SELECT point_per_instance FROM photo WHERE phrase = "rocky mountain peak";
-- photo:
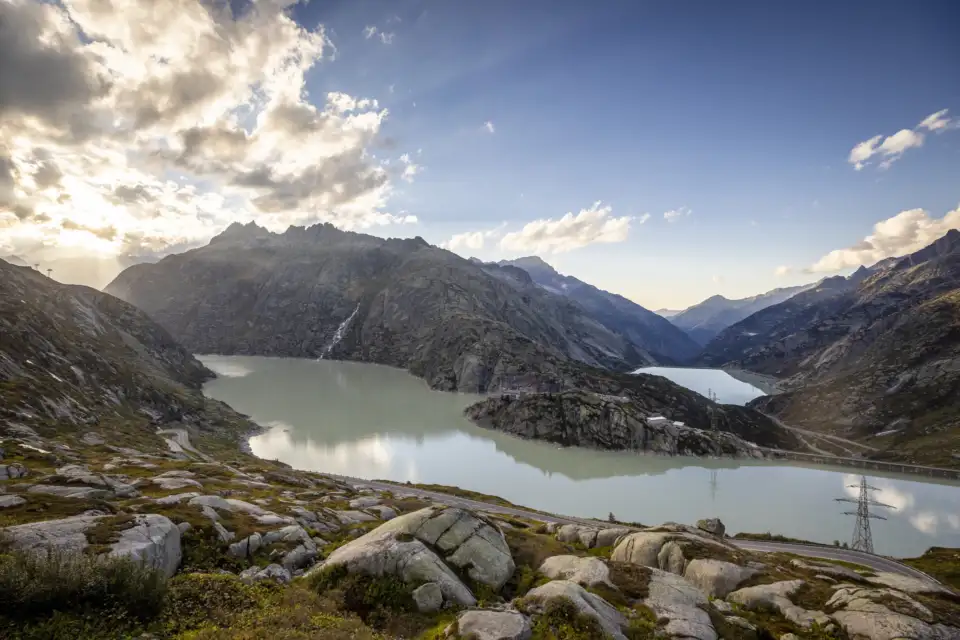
(530, 263)
(240, 232)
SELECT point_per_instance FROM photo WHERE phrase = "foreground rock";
(885, 614)
(716, 578)
(589, 604)
(492, 625)
(584, 571)
(149, 539)
(776, 596)
(418, 546)
(666, 548)
(682, 604)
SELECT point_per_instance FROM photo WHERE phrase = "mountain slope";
(649, 331)
(319, 292)
(881, 356)
(705, 320)
(71, 356)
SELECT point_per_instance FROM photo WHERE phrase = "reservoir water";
(371, 421)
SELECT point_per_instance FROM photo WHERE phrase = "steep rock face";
(703, 321)
(580, 418)
(72, 356)
(648, 330)
(881, 357)
(321, 292)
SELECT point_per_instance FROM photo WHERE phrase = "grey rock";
(428, 597)
(712, 526)
(176, 498)
(611, 620)
(184, 527)
(671, 558)
(831, 570)
(222, 533)
(664, 549)
(176, 483)
(13, 471)
(385, 512)
(7, 501)
(610, 537)
(494, 625)
(586, 571)
(75, 491)
(353, 517)
(176, 473)
(777, 596)
(246, 547)
(364, 502)
(906, 583)
(684, 606)
(66, 534)
(271, 572)
(92, 439)
(153, 540)
(716, 578)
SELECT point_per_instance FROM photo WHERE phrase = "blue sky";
(745, 115)
(793, 138)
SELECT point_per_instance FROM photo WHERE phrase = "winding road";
(875, 562)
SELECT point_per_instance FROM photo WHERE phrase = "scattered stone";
(171, 484)
(176, 473)
(777, 596)
(76, 473)
(271, 572)
(664, 549)
(682, 604)
(722, 606)
(589, 604)
(715, 577)
(493, 625)
(584, 571)
(353, 517)
(184, 527)
(76, 492)
(385, 512)
(246, 547)
(92, 439)
(428, 597)
(713, 526)
(610, 537)
(364, 502)
(13, 471)
(7, 501)
(176, 498)
(744, 624)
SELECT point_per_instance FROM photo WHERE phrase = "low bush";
(56, 594)
(375, 599)
(561, 620)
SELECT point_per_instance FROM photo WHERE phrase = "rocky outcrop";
(716, 578)
(666, 548)
(582, 418)
(149, 539)
(885, 614)
(776, 596)
(418, 546)
(152, 540)
(72, 355)
(589, 604)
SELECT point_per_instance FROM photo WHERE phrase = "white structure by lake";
(371, 421)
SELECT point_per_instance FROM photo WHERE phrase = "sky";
(666, 151)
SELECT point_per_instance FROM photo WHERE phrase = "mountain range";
(322, 292)
(705, 320)
(874, 357)
(643, 327)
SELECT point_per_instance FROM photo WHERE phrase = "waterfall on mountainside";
(338, 336)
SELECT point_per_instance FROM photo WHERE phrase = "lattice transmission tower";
(862, 536)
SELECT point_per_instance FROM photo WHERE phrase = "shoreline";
(768, 384)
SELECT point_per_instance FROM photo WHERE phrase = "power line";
(862, 536)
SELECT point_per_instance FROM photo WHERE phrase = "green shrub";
(54, 594)
(195, 599)
(375, 599)
(561, 620)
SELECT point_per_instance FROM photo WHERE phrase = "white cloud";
(643, 218)
(386, 37)
(489, 127)
(717, 279)
(890, 148)
(904, 233)
(937, 121)
(164, 122)
(369, 31)
(471, 240)
(675, 214)
(783, 270)
(572, 231)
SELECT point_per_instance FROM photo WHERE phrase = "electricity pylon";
(862, 537)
